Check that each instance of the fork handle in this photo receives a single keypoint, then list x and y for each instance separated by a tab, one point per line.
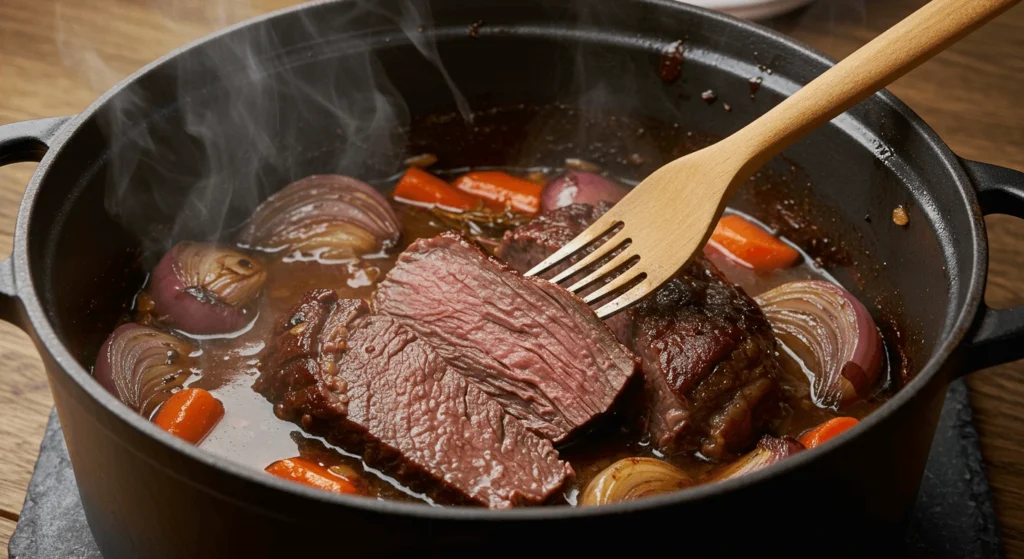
903	47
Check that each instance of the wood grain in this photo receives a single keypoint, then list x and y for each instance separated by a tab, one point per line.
901	48
56	57
25	401
6	529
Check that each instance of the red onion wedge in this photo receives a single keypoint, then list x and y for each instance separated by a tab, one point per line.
770	450
832	333
142	366
577	187
328	217
205	289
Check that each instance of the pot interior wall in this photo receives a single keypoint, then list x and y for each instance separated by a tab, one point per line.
187	150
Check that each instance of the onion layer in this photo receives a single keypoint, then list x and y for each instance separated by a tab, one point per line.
142	366
832	332
577	187
329	217
205	289
633	478
770	450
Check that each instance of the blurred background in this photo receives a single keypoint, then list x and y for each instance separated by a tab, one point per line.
56	57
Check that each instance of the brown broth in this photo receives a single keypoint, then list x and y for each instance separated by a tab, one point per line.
252	435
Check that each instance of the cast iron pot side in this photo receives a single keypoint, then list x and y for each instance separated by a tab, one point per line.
147	494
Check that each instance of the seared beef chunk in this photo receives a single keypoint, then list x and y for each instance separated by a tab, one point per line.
709	357
533	346
709	363
381	391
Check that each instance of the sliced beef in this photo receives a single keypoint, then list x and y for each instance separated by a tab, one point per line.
373	386
293	376
533	346
709	357
527	245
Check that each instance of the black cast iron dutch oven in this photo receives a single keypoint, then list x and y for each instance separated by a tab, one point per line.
327	72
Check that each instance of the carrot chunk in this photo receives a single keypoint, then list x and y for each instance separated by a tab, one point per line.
751	245
502	189
311	474
190	414
827	430
420	187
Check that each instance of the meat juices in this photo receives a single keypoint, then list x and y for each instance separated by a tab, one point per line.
531	345
382	391
709	357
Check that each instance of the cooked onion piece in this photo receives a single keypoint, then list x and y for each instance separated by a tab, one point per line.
205	289
770	450
577	187
633	478
328	217
832	332
483	226
142	366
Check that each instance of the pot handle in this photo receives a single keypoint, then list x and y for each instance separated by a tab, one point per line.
998	334
19	142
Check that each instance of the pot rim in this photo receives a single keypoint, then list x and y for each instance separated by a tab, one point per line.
54	346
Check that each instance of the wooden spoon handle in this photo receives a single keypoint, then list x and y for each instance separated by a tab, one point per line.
904	46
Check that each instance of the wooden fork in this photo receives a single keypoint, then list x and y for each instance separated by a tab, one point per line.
660	224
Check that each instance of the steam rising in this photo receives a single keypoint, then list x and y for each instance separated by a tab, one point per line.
219	128
244	114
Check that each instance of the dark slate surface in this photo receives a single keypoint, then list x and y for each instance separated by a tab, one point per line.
52	522
954	515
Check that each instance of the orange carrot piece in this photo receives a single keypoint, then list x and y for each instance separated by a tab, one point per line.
827	430
420	187
751	245
502	189
311	474
190	414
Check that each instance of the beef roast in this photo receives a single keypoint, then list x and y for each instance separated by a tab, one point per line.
373	386
709	357
294	375
710	367
527	245
533	346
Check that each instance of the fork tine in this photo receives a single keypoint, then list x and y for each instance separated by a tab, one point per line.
617	241
595	231
622	258
623	279
624	300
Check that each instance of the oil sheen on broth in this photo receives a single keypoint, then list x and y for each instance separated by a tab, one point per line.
250	433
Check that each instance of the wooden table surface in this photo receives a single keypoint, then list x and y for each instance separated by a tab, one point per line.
56	57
